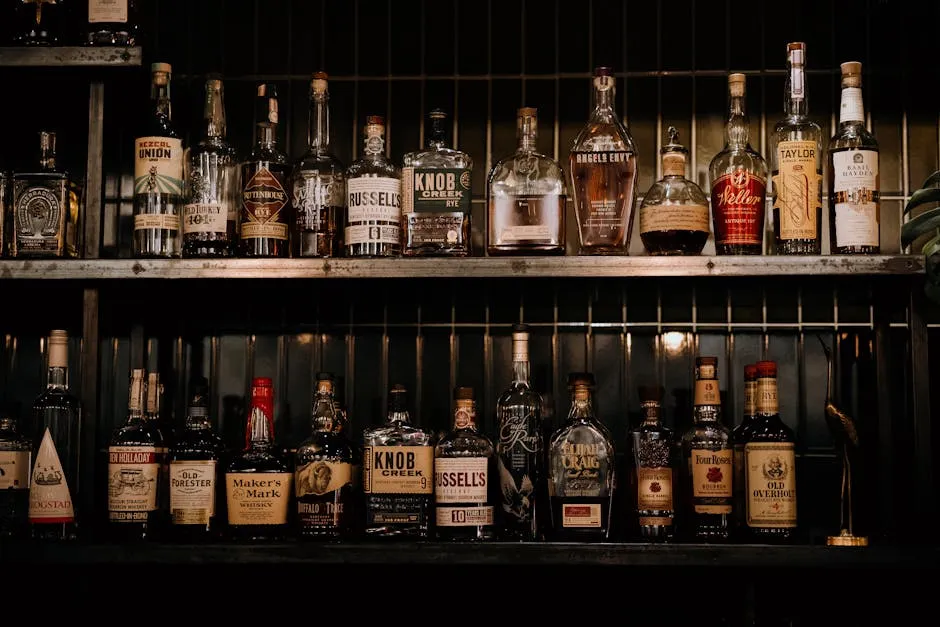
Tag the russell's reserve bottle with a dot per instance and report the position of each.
(373, 188)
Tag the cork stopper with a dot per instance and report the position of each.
(603, 79)
(851, 74)
(213, 82)
(673, 155)
(161, 67)
(318, 84)
(736, 84)
(766, 369)
(651, 393)
(706, 367)
(796, 53)
(58, 349)
(750, 372)
(527, 121)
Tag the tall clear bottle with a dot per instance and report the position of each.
(654, 461)
(373, 187)
(158, 175)
(15, 466)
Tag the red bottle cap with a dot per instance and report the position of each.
(767, 368)
(750, 372)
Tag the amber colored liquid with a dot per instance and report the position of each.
(527, 224)
(604, 203)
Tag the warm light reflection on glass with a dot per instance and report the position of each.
(673, 342)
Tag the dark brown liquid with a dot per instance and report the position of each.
(604, 200)
(674, 242)
(266, 246)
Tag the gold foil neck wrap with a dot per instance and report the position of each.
(673, 164)
(319, 85)
(582, 393)
(851, 74)
(135, 398)
(527, 121)
(58, 349)
(736, 84)
(520, 346)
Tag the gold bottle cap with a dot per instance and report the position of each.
(161, 67)
(527, 121)
(318, 85)
(58, 349)
(736, 84)
(851, 74)
(214, 82)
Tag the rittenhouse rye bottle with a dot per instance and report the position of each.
(770, 466)
(398, 473)
(603, 168)
(739, 180)
(111, 22)
(258, 480)
(519, 449)
(326, 471)
(709, 459)
(373, 187)
(739, 437)
(15, 461)
(581, 462)
(41, 205)
(854, 184)
(436, 196)
(465, 487)
(653, 459)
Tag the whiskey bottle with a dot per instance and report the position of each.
(373, 185)
(398, 473)
(158, 175)
(41, 206)
(57, 415)
(15, 461)
(519, 449)
(465, 487)
(674, 212)
(111, 22)
(739, 436)
(319, 184)
(653, 459)
(326, 471)
(436, 196)
(797, 167)
(770, 465)
(4, 203)
(195, 459)
(38, 22)
(581, 469)
(265, 202)
(210, 216)
(709, 459)
(854, 184)
(739, 179)
(603, 168)
(153, 415)
(258, 480)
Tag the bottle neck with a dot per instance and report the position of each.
(160, 95)
(750, 398)
(319, 124)
(260, 431)
(58, 378)
(652, 411)
(197, 418)
(7, 423)
(528, 141)
(266, 135)
(705, 413)
(736, 131)
(465, 416)
(582, 407)
(47, 160)
(520, 370)
(215, 116)
(604, 106)
(767, 406)
(851, 109)
(374, 146)
(795, 92)
(324, 417)
(437, 137)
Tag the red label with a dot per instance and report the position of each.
(262, 399)
(132, 458)
(738, 206)
(578, 510)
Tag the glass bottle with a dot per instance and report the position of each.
(770, 466)
(526, 194)
(57, 416)
(373, 186)
(581, 469)
(15, 462)
(195, 459)
(436, 196)
(210, 216)
(465, 487)
(158, 175)
(709, 459)
(41, 206)
(739, 437)
(4, 203)
(265, 178)
(398, 473)
(854, 183)
(674, 212)
(319, 183)
(154, 415)
(603, 169)
(519, 448)
(326, 471)
(258, 480)
(653, 459)
(739, 180)
(38, 22)
(111, 22)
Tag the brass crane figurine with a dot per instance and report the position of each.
(845, 434)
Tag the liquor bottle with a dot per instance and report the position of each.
(373, 186)
(653, 459)
(519, 449)
(158, 174)
(709, 459)
(210, 216)
(739, 436)
(797, 167)
(111, 22)
(265, 202)
(57, 416)
(465, 487)
(854, 189)
(319, 183)
(770, 465)
(41, 206)
(674, 212)
(436, 196)
(326, 471)
(581, 469)
(739, 180)
(526, 193)
(153, 415)
(15, 461)
(38, 23)
(134, 458)
(398, 473)
(4, 203)
(603, 167)
(258, 480)
(195, 459)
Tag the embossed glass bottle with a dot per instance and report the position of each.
(654, 464)
(41, 206)
(373, 189)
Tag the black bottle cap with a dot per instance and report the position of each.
(706, 361)
(651, 393)
(325, 376)
(463, 394)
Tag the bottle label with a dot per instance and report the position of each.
(674, 164)
(851, 108)
(192, 491)
(316, 194)
(654, 490)
(158, 165)
(39, 215)
(797, 189)
(374, 211)
(750, 398)
(398, 470)
(706, 392)
(14, 470)
(204, 218)
(158, 221)
(108, 11)
(581, 515)
(738, 204)
(767, 396)
(771, 484)
(49, 498)
(263, 207)
(524, 220)
(324, 493)
(435, 190)
(133, 481)
(257, 498)
(855, 185)
(581, 469)
(461, 480)
(673, 217)
(712, 480)
(464, 516)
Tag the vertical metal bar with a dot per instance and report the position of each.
(419, 369)
(350, 386)
(388, 83)
(920, 406)
(887, 409)
(355, 106)
(557, 377)
(522, 51)
(94, 169)
(89, 396)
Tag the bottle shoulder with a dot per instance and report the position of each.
(852, 135)
(14, 441)
(768, 429)
(257, 461)
(732, 158)
(325, 446)
(56, 397)
(138, 434)
(517, 394)
(159, 126)
(193, 441)
(527, 167)
(319, 163)
(377, 168)
(674, 190)
(583, 432)
(464, 443)
(264, 156)
(707, 432)
(213, 146)
(603, 134)
(434, 158)
(397, 434)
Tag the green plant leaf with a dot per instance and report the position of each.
(932, 181)
(922, 197)
(924, 223)
(931, 248)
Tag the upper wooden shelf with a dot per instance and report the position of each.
(70, 56)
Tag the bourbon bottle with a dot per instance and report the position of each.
(653, 447)
(739, 437)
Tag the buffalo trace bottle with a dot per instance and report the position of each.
(739, 437)
(258, 480)
(373, 187)
(465, 486)
(739, 180)
(653, 459)
(15, 454)
(709, 459)
(770, 465)
(41, 206)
